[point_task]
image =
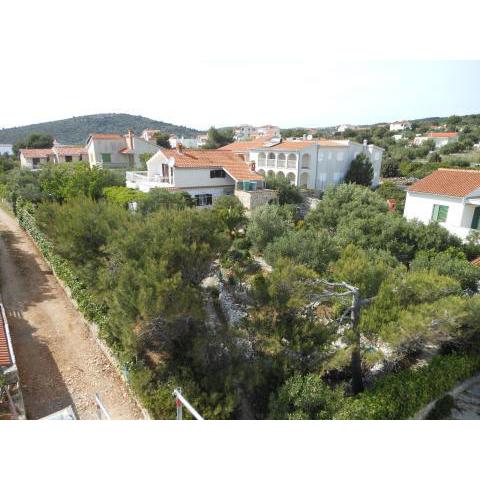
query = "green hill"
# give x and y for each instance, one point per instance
(76, 129)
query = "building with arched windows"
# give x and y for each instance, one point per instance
(308, 164)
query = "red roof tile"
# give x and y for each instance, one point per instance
(233, 165)
(70, 150)
(5, 358)
(106, 136)
(449, 182)
(442, 134)
(36, 152)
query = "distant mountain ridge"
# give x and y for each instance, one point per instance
(76, 129)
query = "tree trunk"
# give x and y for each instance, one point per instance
(356, 360)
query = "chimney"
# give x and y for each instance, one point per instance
(130, 139)
(179, 147)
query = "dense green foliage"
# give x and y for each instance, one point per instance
(287, 193)
(360, 171)
(217, 138)
(139, 276)
(33, 140)
(401, 395)
(76, 130)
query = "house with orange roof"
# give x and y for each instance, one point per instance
(440, 139)
(111, 150)
(35, 158)
(311, 164)
(448, 196)
(204, 174)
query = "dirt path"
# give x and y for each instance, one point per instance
(59, 362)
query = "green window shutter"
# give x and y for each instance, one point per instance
(106, 157)
(476, 218)
(435, 212)
(442, 213)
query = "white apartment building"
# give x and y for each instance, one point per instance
(35, 158)
(448, 196)
(107, 150)
(203, 174)
(313, 164)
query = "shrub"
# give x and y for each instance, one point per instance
(402, 395)
(360, 171)
(442, 408)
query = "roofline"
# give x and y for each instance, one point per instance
(437, 194)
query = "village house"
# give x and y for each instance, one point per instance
(400, 125)
(249, 132)
(108, 150)
(204, 175)
(310, 164)
(439, 138)
(35, 158)
(185, 142)
(448, 196)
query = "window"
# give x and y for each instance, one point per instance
(203, 200)
(439, 213)
(35, 161)
(476, 219)
(68, 158)
(80, 158)
(217, 173)
(106, 157)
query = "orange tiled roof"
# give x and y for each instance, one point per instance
(5, 358)
(442, 134)
(449, 182)
(287, 145)
(476, 262)
(106, 136)
(233, 165)
(36, 152)
(70, 150)
(247, 145)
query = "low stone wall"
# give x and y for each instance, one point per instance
(255, 198)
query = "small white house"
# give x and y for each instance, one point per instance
(185, 142)
(439, 138)
(448, 196)
(34, 158)
(107, 150)
(204, 174)
(400, 125)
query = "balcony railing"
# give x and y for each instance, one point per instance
(144, 177)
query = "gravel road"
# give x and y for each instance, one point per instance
(59, 362)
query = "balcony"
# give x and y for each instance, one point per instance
(144, 182)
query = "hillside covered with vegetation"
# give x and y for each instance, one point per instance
(76, 129)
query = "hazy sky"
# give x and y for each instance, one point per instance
(224, 63)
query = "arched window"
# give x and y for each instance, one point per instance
(271, 160)
(281, 160)
(305, 160)
(261, 172)
(291, 178)
(291, 160)
(270, 173)
(281, 175)
(304, 180)
(261, 160)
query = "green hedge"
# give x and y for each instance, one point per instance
(92, 311)
(402, 395)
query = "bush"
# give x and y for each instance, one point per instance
(442, 408)
(402, 395)
(390, 168)
(360, 171)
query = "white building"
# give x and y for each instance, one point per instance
(149, 134)
(107, 150)
(313, 164)
(6, 148)
(185, 142)
(244, 132)
(400, 125)
(439, 138)
(34, 158)
(448, 196)
(204, 175)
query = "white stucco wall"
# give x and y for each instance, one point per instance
(98, 146)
